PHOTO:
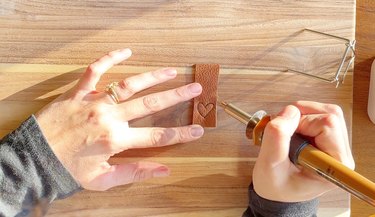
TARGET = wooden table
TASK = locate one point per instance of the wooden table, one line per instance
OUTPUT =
(363, 128)
(45, 46)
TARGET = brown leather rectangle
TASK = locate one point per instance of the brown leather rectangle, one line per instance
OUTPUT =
(204, 112)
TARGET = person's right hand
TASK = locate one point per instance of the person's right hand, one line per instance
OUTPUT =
(275, 177)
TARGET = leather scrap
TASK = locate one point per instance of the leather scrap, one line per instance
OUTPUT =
(205, 105)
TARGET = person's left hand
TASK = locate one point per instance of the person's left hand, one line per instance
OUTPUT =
(85, 127)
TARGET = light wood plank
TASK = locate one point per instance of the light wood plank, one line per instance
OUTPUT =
(194, 185)
(189, 212)
(167, 32)
(209, 175)
(247, 89)
(254, 42)
(363, 128)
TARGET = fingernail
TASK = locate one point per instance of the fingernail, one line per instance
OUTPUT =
(161, 172)
(196, 131)
(170, 72)
(289, 112)
(195, 88)
(125, 50)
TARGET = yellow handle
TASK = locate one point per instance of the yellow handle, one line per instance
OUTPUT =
(308, 156)
(333, 170)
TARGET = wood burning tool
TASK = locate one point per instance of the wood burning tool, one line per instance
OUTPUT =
(303, 153)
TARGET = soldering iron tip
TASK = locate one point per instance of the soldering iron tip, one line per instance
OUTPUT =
(222, 103)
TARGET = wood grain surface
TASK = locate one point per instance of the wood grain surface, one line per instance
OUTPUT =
(45, 46)
(209, 176)
(363, 128)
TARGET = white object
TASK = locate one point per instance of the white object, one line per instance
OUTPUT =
(371, 95)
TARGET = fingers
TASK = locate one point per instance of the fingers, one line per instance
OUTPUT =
(123, 174)
(96, 69)
(326, 129)
(158, 101)
(134, 84)
(308, 107)
(329, 121)
(155, 137)
(276, 137)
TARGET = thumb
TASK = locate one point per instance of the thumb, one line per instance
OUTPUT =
(276, 137)
(123, 174)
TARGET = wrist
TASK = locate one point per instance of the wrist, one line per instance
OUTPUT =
(267, 207)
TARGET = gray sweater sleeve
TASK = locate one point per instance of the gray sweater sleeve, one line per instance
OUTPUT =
(260, 207)
(31, 176)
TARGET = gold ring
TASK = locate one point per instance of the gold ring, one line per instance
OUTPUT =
(110, 89)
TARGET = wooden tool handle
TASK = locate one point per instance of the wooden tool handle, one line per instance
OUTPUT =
(336, 172)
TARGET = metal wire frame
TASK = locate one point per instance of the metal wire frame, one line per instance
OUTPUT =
(340, 74)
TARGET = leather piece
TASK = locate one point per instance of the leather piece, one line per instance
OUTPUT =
(204, 112)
